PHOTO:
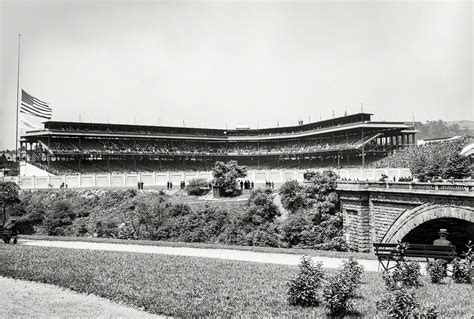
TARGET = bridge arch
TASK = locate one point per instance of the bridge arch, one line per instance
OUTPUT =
(417, 216)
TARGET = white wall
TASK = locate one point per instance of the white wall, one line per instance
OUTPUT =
(161, 178)
(26, 169)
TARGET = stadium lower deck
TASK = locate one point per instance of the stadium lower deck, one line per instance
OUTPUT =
(353, 140)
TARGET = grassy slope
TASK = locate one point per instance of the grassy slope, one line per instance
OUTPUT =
(293, 251)
(184, 286)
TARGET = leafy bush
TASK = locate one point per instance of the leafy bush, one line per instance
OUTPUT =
(399, 303)
(261, 208)
(337, 293)
(303, 289)
(404, 274)
(315, 220)
(292, 196)
(334, 244)
(437, 270)
(462, 271)
(353, 271)
(403, 303)
(197, 187)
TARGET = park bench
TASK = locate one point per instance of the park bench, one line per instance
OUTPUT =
(7, 236)
(398, 252)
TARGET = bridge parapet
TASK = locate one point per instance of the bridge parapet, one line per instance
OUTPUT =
(410, 186)
(371, 209)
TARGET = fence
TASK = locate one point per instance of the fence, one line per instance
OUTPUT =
(447, 187)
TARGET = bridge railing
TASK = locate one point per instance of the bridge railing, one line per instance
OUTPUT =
(416, 186)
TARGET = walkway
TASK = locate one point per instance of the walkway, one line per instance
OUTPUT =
(229, 254)
(26, 299)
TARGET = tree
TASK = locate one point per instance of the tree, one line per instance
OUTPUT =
(226, 175)
(8, 196)
(197, 186)
(457, 166)
(291, 193)
(315, 220)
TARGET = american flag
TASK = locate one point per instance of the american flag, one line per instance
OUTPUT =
(33, 106)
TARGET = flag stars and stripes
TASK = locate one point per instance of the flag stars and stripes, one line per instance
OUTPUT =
(34, 106)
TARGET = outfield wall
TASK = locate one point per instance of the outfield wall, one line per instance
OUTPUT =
(160, 179)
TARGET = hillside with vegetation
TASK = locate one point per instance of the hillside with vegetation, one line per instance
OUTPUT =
(441, 129)
(315, 220)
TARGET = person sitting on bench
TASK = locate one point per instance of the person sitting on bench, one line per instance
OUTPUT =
(442, 241)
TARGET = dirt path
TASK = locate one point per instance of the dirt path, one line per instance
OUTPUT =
(25, 299)
(282, 259)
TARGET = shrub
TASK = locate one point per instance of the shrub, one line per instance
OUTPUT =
(404, 274)
(338, 292)
(291, 195)
(399, 303)
(197, 187)
(353, 271)
(402, 303)
(303, 289)
(334, 244)
(261, 208)
(437, 270)
(462, 271)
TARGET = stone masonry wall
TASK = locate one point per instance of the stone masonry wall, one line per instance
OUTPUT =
(368, 215)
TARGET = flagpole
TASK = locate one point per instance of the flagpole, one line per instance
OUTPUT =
(17, 97)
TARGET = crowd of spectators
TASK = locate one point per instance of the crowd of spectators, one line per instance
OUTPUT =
(186, 147)
(432, 161)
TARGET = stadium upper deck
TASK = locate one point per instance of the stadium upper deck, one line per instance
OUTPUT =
(354, 138)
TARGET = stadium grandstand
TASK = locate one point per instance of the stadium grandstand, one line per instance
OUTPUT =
(76, 147)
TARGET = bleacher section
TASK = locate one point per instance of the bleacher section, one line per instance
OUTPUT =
(71, 148)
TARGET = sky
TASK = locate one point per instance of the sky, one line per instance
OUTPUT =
(229, 63)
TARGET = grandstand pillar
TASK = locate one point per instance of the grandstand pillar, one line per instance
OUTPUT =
(363, 148)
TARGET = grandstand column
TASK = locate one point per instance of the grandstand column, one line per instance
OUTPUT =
(48, 158)
(363, 147)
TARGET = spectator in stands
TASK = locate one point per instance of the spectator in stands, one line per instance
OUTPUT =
(241, 185)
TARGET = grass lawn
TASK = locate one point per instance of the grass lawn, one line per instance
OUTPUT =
(293, 251)
(186, 286)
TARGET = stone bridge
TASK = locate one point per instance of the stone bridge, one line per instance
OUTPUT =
(412, 212)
